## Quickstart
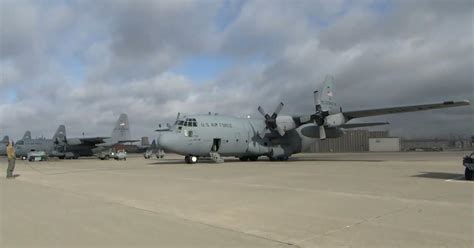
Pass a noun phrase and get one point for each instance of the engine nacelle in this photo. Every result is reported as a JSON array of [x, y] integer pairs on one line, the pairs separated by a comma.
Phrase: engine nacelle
[[285, 123], [335, 120], [74, 142]]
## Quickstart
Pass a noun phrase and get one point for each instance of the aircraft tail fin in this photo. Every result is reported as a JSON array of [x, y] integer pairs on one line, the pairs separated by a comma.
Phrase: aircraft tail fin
[[145, 141], [326, 96], [27, 135], [60, 135], [122, 129], [6, 139]]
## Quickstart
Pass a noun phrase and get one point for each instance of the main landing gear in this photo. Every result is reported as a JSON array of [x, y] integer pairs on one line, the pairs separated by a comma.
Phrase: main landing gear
[[247, 158], [279, 158], [190, 159]]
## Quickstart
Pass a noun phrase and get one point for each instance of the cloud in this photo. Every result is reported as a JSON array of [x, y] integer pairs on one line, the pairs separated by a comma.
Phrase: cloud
[[82, 63]]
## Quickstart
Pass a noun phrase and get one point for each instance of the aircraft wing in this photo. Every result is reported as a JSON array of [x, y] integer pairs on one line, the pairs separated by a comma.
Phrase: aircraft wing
[[394, 110], [93, 141], [356, 125], [127, 141]]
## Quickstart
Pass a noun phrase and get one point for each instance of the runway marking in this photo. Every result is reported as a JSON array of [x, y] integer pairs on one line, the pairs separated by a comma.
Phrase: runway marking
[[456, 180]]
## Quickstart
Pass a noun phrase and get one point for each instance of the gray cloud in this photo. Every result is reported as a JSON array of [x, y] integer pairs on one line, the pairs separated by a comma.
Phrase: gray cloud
[[85, 62]]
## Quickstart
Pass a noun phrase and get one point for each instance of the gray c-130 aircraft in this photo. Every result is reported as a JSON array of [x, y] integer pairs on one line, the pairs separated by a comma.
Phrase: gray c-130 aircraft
[[274, 136]]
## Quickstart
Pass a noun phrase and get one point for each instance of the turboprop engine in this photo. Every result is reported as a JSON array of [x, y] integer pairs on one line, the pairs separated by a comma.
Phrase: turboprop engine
[[285, 123], [281, 124]]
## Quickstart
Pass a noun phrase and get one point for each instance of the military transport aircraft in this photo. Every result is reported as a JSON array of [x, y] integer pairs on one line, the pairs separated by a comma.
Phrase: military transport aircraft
[[53, 147], [91, 146], [3, 145], [63, 147], [277, 137]]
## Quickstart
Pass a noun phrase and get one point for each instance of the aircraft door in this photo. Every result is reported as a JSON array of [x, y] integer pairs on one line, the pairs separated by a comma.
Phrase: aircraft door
[[216, 144]]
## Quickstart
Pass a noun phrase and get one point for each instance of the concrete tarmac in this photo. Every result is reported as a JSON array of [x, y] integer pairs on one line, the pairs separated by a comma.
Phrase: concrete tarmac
[[314, 200]]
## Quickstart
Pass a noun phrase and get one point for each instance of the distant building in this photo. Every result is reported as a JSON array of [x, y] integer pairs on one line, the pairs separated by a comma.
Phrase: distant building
[[358, 140], [435, 144], [384, 144], [352, 141]]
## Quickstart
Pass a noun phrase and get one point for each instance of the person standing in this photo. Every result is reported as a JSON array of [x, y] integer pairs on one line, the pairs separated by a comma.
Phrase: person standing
[[11, 160]]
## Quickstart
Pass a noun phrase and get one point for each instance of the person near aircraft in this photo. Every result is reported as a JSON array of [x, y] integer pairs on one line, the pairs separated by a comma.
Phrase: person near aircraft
[[11, 160]]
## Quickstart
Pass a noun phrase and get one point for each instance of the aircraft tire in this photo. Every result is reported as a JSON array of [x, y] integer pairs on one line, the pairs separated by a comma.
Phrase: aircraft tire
[[193, 159], [244, 158], [253, 158], [468, 174], [283, 158], [186, 159]]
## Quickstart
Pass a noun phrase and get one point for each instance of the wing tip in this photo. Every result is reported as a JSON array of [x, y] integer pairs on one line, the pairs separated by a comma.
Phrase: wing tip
[[462, 102]]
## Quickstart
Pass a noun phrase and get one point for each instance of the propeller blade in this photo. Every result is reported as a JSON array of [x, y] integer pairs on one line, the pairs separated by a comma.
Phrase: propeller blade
[[177, 117], [322, 133], [317, 101], [277, 110], [260, 109], [280, 131]]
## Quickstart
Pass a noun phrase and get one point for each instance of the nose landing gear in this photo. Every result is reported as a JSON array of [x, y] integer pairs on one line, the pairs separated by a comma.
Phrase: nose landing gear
[[190, 159]]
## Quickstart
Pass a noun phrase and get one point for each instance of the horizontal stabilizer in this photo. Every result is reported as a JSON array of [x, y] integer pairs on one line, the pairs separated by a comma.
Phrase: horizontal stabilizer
[[371, 124], [395, 110]]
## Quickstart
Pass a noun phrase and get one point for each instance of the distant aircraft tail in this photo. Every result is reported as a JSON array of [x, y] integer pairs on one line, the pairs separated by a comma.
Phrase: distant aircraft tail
[[121, 130], [145, 141], [27, 136], [5, 139], [60, 135]]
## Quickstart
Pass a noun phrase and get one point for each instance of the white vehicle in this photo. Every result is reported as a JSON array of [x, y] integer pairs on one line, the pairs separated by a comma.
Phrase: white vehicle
[[36, 156], [119, 155]]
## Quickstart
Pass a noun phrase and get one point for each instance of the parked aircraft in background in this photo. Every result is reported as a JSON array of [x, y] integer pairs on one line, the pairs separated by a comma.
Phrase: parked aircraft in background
[[94, 145], [3, 145], [274, 136], [53, 147]]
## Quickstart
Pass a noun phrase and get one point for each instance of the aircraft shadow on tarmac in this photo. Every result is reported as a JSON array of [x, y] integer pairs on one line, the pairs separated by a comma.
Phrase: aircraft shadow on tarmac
[[438, 175]]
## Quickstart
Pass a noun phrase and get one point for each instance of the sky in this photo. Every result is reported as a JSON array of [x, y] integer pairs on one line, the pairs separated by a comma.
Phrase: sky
[[82, 63]]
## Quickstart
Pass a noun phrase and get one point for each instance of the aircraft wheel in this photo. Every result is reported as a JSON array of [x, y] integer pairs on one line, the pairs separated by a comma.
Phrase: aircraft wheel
[[253, 158], [468, 174], [186, 159], [193, 159], [283, 158], [244, 158]]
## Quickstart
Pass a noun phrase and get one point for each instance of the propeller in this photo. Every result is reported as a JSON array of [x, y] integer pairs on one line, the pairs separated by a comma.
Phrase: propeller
[[63, 142], [270, 120], [319, 118]]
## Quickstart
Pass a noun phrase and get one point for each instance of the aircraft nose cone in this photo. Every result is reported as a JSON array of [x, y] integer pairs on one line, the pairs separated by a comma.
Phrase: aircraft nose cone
[[165, 141]]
